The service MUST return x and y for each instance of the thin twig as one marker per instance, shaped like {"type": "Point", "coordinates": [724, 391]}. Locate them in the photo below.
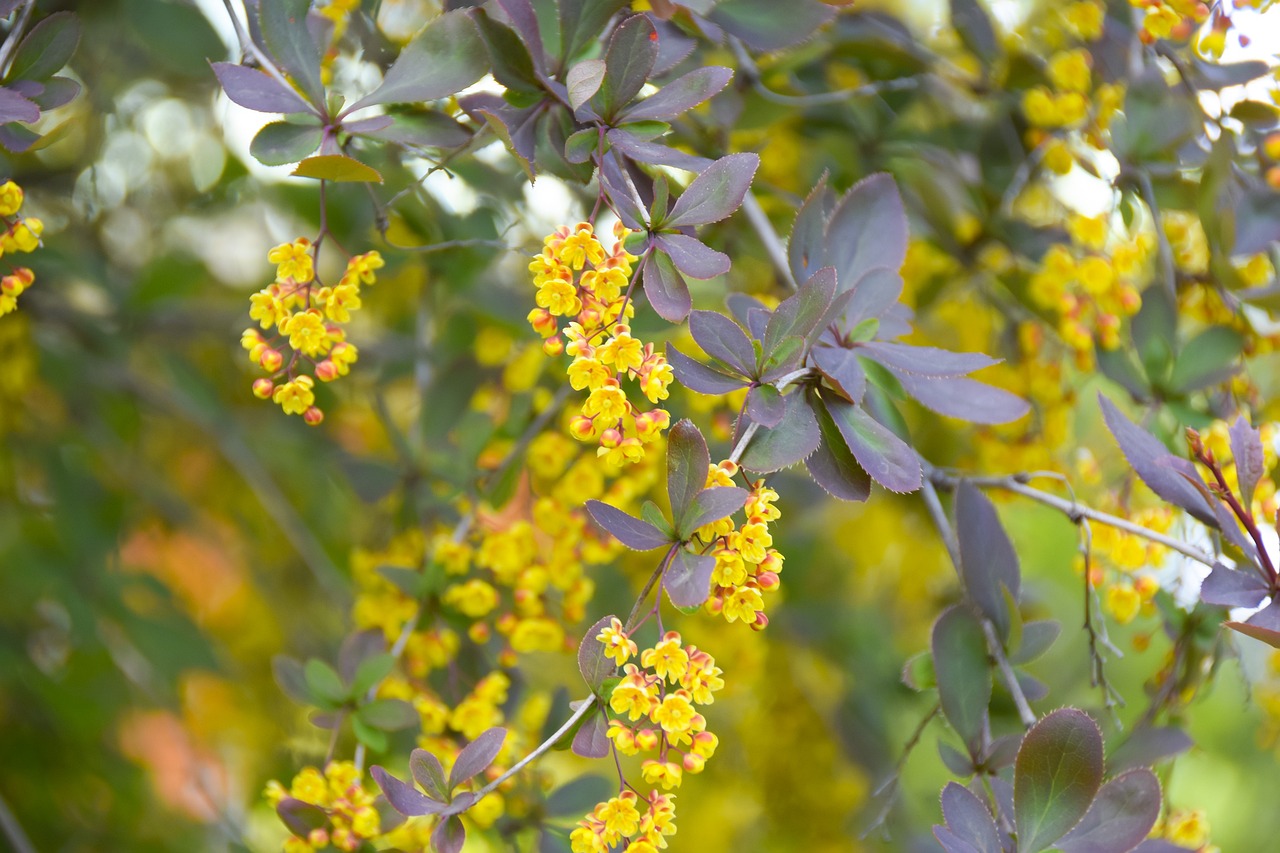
{"type": "Point", "coordinates": [581, 713]}
{"type": "Point", "coordinates": [751, 72]}
{"type": "Point", "coordinates": [1167, 265]}
{"type": "Point", "coordinates": [889, 787]}
{"type": "Point", "coordinates": [644, 593]}
{"type": "Point", "coordinates": [1074, 511]}
{"type": "Point", "coordinates": [769, 237]}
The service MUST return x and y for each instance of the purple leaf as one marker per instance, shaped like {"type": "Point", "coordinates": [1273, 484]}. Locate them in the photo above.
{"type": "Point", "coordinates": [964, 398]}
{"type": "Point", "coordinates": [692, 257]}
{"type": "Point", "coordinates": [968, 818]}
{"type": "Point", "coordinates": [518, 129]}
{"type": "Point", "coordinates": [524, 20]}
{"type": "Point", "coordinates": [366, 126]}
{"type": "Point", "coordinates": [581, 22]}
{"type": "Point", "coordinates": [629, 60]}
{"type": "Point", "coordinates": [1037, 637]}
{"type": "Point", "coordinates": [654, 152]}
{"type": "Point", "coordinates": [791, 441]}
{"type": "Point", "coordinates": [403, 797]}
{"type": "Point", "coordinates": [1246, 450]}
{"type": "Point", "coordinates": [714, 504]}
{"type": "Point", "coordinates": [680, 95]}
{"type": "Point", "coordinates": [301, 817]}
{"type": "Point", "coordinates": [285, 33]}
{"type": "Point", "coordinates": [963, 673]}
{"type": "Point", "coordinates": [874, 294]}
{"type": "Point", "coordinates": [888, 459]}
{"type": "Point", "coordinates": [723, 339]}
{"type": "Point", "coordinates": [750, 312]}
{"type": "Point", "coordinates": [257, 90]}
{"type": "Point", "coordinates": [630, 531]}
{"type": "Point", "coordinates": [988, 562]}
{"type": "Point", "coordinates": [449, 835]}
{"type": "Point", "coordinates": [1263, 625]}
{"type": "Point", "coordinates": [429, 773]}
{"type": "Point", "coordinates": [666, 289]}
{"type": "Point", "coordinates": [1233, 588]}
{"type": "Point", "coordinates": [925, 361]}
{"type": "Point", "coordinates": [592, 662]}
{"type": "Point", "coordinates": [1056, 776]}
{"type": "Point", "coordinates": [766, 406]}
{"type": "Point", "coordinates": [841, 368]}
{"type": "Point", "coordinates": [806, 249]}
{"type": "Point", "coordinates": [698, 377]}
{"type": "Point", "coordinates": [358, 647]}
{"type": "Point", "coordinates": [622, 192]}
{"type": "Point", "coordinates": [687, 464]}
{"type": "Point", "coordinates": [477, 755]}
{"type": "Point", "coordinates": [445, 58]}
{"type": "Point", "coordinates": [14, 107]}
{"type": "Point", "coordinates": [802, 312]}
{"type": "Point", "coordinates": [592, 738]}
{"type": "Point", "coordinates": [1125, 810]}
{"type": "Point", "coordinates": [583, 81]}
{"type": "Point", "coordinates": [867, 229]}
{"type": "Point", "coordinates": [767, 25]}
{"type": "Point", "coordinates": [1147, 456]}
{"type": "Point", "coordinates": [673, 46]}
{"type": "Point", "coordinates": [688, 578]}
{"type": "Point", "coordinates": [952, 843]}
{"type": "Point", "coordinates": [715, 193]}
{"type": "Point", "coordinates": [1148, 745]}
{"type": "Point", "coordinates": [832, 465]}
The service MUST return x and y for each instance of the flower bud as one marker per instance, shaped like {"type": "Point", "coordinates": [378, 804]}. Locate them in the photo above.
{"type": "Point", "coordinates": [313, 416]}
{"type": "Point", "coordinates": [553, 346]}
{"type": "Point", "coordinates": [326, 371]}
{"type": "Point", "coordinates": [761, 622]}
{"type": "Point", "coordinates": [610, 438]}
{"type": "Point", "coordinates": [262, 388]}
{"type": "Point", "coordinates": [647, 739]}
{"type": "Point", "coordinates": [582, 428]}
{"type": "Point", "coordinates": [767, 581]}
{"type": "Point", "coordinates": [271, 360]}
{"type": "Point", "coordinates": [693, 763]}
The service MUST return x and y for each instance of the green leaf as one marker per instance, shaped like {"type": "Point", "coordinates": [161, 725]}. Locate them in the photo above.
{"type": "Point", "coordinates": [581, 145]}
{"type": "Point", "coordinates": [445, 58]}
{"type": "Point", "coordinates": [509, 58]}
{"type": "Point", "coordinates": [628, 62]}
{"type": "Point", "coordinates": [832, 465]}
{"type": "Point", "coordinates": [918, 672]}
{"type": "Point", "coordinates": [1207, 359]}
{"type": "Point", "coordinates": [1055, 778]}
{"type": "Point", "coordinates": [371, 671]}
{"type": "Point", "coordinates": [1037, 637]}
{"type": "Point", "coordinates": [963, 674]}
{"type": "Point", "coordinates": [283, 142]}
{"type": "Point", "coordinates": [388, 715]}
{"type": "Point", "coordinates": [284, 29]}
{"type": "Point", "coordinates": [889, 460]}
{"type": "Point", "coordinates": [581, 22]}
{"type": "Point", "coordinates": [324, 683]}
{"type": "Point", "coordinates": [1155, 330]}
{"type": "Point", "coordinates": [336, 167]}
{"type": "Point", "coordinates": [375, 739]}
{"type": "Point", "coordinates": [46, 49]}
{"type": "Point", "coordinates": [972, 23]}
{"type": "Point", "coordinates": [768, 25]}
{"type": "Point", "coordinates": [649, 512]}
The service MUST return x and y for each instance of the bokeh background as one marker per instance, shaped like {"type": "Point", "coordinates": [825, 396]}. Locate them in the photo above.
{"type": "Point", "coordinates": [163, 534]}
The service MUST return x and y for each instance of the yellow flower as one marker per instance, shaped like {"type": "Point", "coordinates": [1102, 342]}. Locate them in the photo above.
{"type": "Point", "coordinates": [340, 301]}
{"type": "Point", "coordinates": [617, 645]}
{"type": "Point", "coordinates": [633, 695]}
{"type": "Point", "coordinates": [10, 198]}
{"type": "Point", "coordinates": [656, 380]}
{"type": "Point", "coordinates": [608, 402]}
{"type": "Point", "coordinates": [623, 351]}
{"type": "Point", "coordinates": [675, 713]}
{"type": "Point", "coordinates": [588, 373]}
{"type": "Point", "coordinates": [559, 297]}
{"type": "Point", "coordinates": [362, 267]}
{"type": "Point", "coordinates": [619, 815]}
{"type": "Point", "coordinates": [537, 635]}
{"type": "Point", "coordinates": [295, 396]}
{"type": "Point", "coordinates": [293, 261]}
{"type": "Point", "coordinates": [667, 774]}
{"type": "Point", "coordinates": [743, 603]}
{"type": "Point", "coordinates": [1123, 602]}
{"type": "Point", "coordinates": [1070, 72]}
{"type": "Point", "coordinates": [475, 598]}
{"type": "Point", "coordinates": [751, 541]}
{"type": "Point", "coordinates": [307, 333]}
{"type": "Point", "coordinates": [667, 659]}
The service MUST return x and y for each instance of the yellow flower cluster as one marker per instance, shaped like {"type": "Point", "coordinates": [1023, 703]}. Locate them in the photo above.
{"type": "Point", "coordinates": [618, 821]}
{"type": "Point", "coordinates": [1187, 829]}
{"type": "Point", "coordinates": [352, 818]}
{"type": "Point", "coordinates": [306, 315]}
{"type": "Point", "coordinates": [659, 700]}
{"type": "Point", "coordinates": [20, 234]}
{"type": "Point", "coordinates": [1092, 284]}
{"type": "Point", "coordinates": [578, 280]}
{"type": "Point", "coordinates": [747, 565]}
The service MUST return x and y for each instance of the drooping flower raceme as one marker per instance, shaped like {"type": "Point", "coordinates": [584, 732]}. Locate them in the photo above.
{"type": "Point", "coordinates": [18, 234]}
{"type": "Point", "coordinates": [309, 342]}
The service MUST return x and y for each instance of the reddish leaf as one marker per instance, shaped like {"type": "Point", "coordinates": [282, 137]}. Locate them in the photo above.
{"type": "Point", "coordinates": [692, 257]}
{"type": "Point", "coordinates": [628, 62]}
{"type": "Point", "coordinates": [833, 466]}
{"type": "Point", "coordinates": [1056, 776]}
{"type": "Point", "coordinates": [687, 464]}
{"type": "Point", "coordinates": [449, 835]}
{"type": "Point", "coordinates": [680, 95]}
{"type": "Point", "coordinates": [429, 773]}
{"type": "Point", "coordinates": [964, 398]}
{"type": "Point", "coordinates": [1124, 812]}
{"type": "Point", "coordinates": [592, 662]}
{"type": "Point", "coordinates": [988, 562]}
{"type": "Point", "coordinates": [723, 339]}
{"type": "Point", "coordinates": [715, 193]}
{"type": "Point", "coordinates": [257, 90]}
{"type": "Point", "coordinates": [666, 289]}
{"type": "Point", "coordinates": [927, 361]}
{"type": "Point", "coordinates": [1233, 588]}
{"type": "Point", "coordinates": [592, 739]}
{"type": "Point", "coordinates": [697, 376]}
{"type": "Point", "coordinates": [688, 578]}
{"type": "Point", "coordinates": [791, 441]}
{"type": "Point", "coordinates": [888, 459]}
{"type": "Point", "coordinates": [1246, 450]}
{"type": "Point", "coordinates": [403, 797]}
{"type": "Point", "coordinates": [766, 406]}
{"type": "Point", "coordinates": [867, 229]}
{"type": "Point", "coordinates": [968, 817]}
{"type": "Point", "coordinates": [842, 371]}
{"type": "Point", "coordinates": [712, 505]}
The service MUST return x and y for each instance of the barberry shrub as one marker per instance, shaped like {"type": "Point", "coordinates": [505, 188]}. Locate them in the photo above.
{"type": "Point", "coordinates": [961, 312]}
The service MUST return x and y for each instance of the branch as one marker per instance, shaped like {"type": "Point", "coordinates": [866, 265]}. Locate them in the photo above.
{"type": "Point", "coordinates": [9, 823]}
{"type": "Point", "coordinates": [581, 713]}
{"type": "Point", "coordinates": [1073, 510]}
{"type": "Point", "coordinates": [769, 237]}
{"type": "Point", "coordinates": [1167, 265]}
{"type": "Point", "coordinates": [751, 72]}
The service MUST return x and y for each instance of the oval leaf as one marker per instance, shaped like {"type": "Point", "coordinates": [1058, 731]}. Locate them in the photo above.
{"type": "Point", "coordinates": [1120, 818]}
{"type": "Point", "coordinates": [697, 376]}
{"type": "Point", "coordinates": [337, 167]}
{"type": "Point", "coordinates": [688, 578]}
{"type": "Point", "coordinates": [680, 95]}
{"type": "Point", "coordinates": [477, 755]}
{"type": "Point", "coordinates": [791, 441]}
{"type": "Point", "coordinates": [963, 673]}
{"type": "Point", "coordinates": [592, 739]}
{"type": "Point", "coordinates": [666, 288]}
{"type": "Point", "coordinates": [403, 797]}
{"type": "Point", "coordinates": [724, 340]}
{"type": "Point", "coordinates": [445, 58]}
{"type": "Point", "coordinates": [429, 773]}
{"type": "Point", "coordinates": [712, 505]}
{"type": "Point", "coordinates": [988, 561]}
{"type": "Point", "coordinates": [257, 90]}
{"type": "Point", "coordinates": [282, 142]}
{"type": "Point", "coordinates": [968, 817]}
{"type": "Point", "coordinates": [888, 459]}
{"type": "Point", "coordinates": [715, 193]}
{"type": "Point", "coordinates": [687, 465]}
{"type": "Point", "coordinates": [1055, 778]}
{"type": "Point", "coordinates": [592, 662]}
